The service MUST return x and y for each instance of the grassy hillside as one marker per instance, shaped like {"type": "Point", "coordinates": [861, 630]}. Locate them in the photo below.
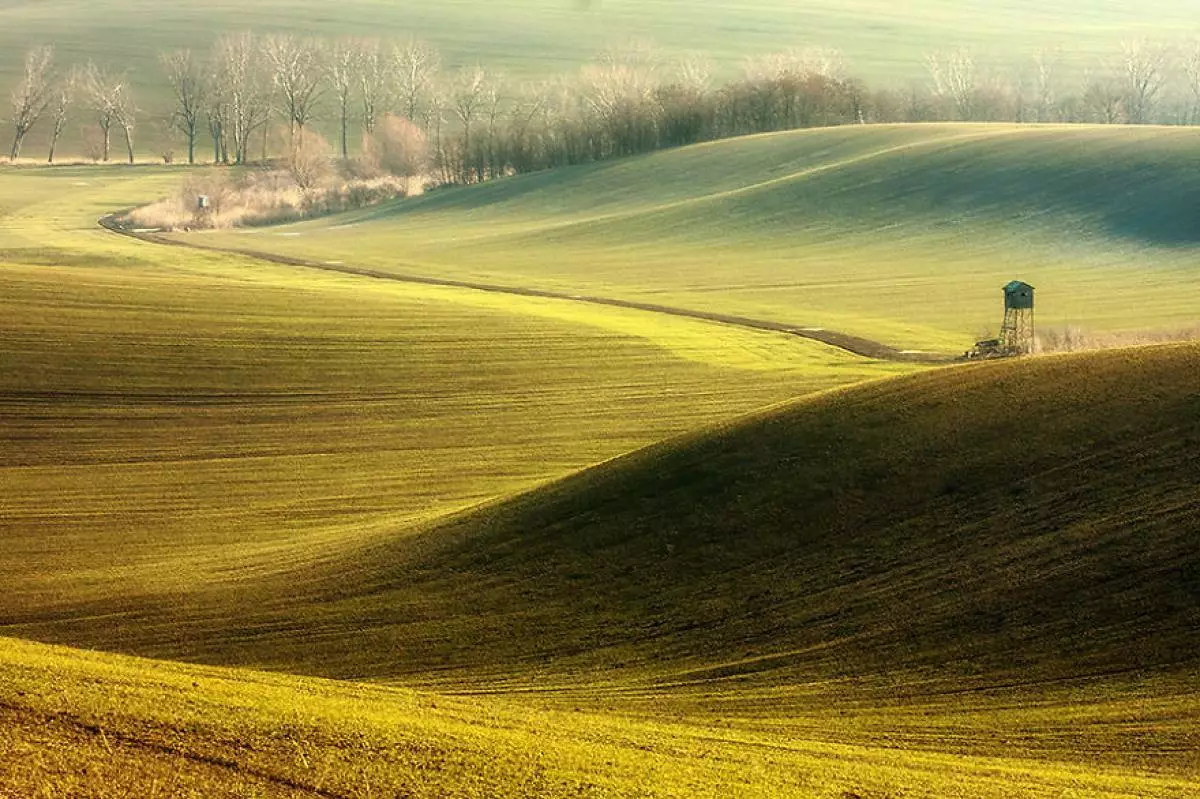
{"type": "Point", "coordinates": [979, 582]}
{"type": "Point", "coordinates": [107, 727]}
{"type": "Point", "coordinates": [899, 233]}
{"type": "Point", "coordinates": [172, 419]}
{"type": "Point", "coordinates": [995, 504]}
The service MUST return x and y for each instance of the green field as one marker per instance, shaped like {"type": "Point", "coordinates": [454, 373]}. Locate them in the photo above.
{"type": "Point", "coordinates": [544, 37]}
{"type": "Point", "coordinates": [272, 529]}
{"type": "Point", "coordinates": [898, 233]}
{"type": "Point", "coordinates": [667, 625]}
{"type": "Point", "coordinates": [174, 419]}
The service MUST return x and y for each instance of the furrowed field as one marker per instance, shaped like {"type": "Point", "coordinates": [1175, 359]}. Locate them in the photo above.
{"type": "Point", "coordinates": [173, 418]}
{"type": "Point", "coordinates": [331, 528]}
{"type": "Point", "coordinates": [215, 459]}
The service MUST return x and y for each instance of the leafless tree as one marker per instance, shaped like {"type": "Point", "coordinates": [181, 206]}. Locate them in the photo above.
{"type": "Point", "coordinates": [619, 92]}
{"type": "Point", "coordinates": [185, 74]}
{"type": "Point", "coordinates": [239, 97]}
{"type": "Point", "coordinates": [62, 95]}
{"type": "Point", "coordinates": [298, 75]}
{"type": "Point", "coordinates": [107, 96]}
{"type": "Point", "coordinates": [374, 68]}
{"type": "Point", "coordinates": [32, 95]}
{"type": "Point", "coordinates": [1144, 69]}
{"type": "Point", "coordinates": [528, 106]}
{"type": "Point", "coordinates": [416, 68]}
{"type": "Point", "coordinates": [1104, 99]}
{"type": "Point", "coordinates": [126, 117]}
{"type": "Point", "coordinates": [342, 65]}
{"type": "Point", "coordinates": [472, 94]}
{"type": "Point", "coordinates": [1190, 58]}
{"type": "Point", "coordinates": [954, 78]}
{"type": "Point", "coordinates": [1045, 75]}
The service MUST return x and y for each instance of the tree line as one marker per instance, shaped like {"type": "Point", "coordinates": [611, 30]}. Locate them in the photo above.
{"type": "Point", "coordinates": [474, 125]}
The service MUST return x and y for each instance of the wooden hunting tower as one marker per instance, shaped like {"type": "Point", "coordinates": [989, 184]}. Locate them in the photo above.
{"type": "Point", "coordinates": [1016, 336]}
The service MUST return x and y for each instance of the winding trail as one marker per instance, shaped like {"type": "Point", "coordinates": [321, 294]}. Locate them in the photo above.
{"type": "Point", "coordinates": [844, 341]}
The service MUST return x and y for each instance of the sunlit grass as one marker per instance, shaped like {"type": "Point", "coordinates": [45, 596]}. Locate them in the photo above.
{"type": "Point", "coordinates": [973, 583]}
{"type": "Point", "coordinates": [903, 234]}
{"type": "Point", "coordinates": [105, 726]}
{"type": "Point", "coordinates": [175, 419]}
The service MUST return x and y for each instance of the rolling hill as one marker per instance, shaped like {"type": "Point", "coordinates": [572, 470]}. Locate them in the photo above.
{"type": "Point", "coordinates": [174, 419]}
{"type": "Point", "coordinates": [903, 234]}
{"type": "Point", "coordinates": [979, 581]}
{"type": "Point", "coordinates": [987, 573]}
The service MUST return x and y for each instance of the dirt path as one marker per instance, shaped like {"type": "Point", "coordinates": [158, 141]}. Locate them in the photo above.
{"type": "Point", "coordinates": [844, 341]}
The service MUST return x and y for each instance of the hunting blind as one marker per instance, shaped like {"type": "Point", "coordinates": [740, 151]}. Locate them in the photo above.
{"type": "Point", "coordinates": [1016, 336]}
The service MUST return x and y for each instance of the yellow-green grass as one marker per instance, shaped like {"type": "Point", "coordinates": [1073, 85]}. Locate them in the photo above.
{"type": "Point", "coordinates": [980, 582]}
{"type": "Point", "coordinates": [903, 234]}
{"type": "Point", "coordinates": [174, 419]}
{"type": "Point", "coordinates": [974, 528]}
{"type": "Point", "coordinates": [91, 725]}
{"type": "Point", "coordinates": [885, 43]}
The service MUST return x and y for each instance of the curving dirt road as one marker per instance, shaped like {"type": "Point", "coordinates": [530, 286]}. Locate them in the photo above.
{"type": "Point", "coordinates": [844, 341]}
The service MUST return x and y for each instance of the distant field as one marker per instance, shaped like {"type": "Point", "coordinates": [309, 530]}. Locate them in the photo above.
{"type": "Point", "coordinates": [898, 233]}
{"type": "Point", "coordinates": [537, 37]}
{"type": "Point", "coordinates": [885, 43]}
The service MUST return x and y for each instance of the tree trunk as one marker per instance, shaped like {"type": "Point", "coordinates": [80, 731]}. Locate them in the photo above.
{"type": "Point", "coordinates": [107, 142]}
{"type": "Point", "coordinates": [58, 126]}
{"type": "Point", "coordinates": [345, 124]}
{"type": "Point", "coordinates": [128, 142]}
{"type": "Point", "coordinates": [192, 146]}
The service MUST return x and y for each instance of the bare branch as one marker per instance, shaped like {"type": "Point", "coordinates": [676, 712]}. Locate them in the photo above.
{"type": "Point", "coordinates": [31, 95]}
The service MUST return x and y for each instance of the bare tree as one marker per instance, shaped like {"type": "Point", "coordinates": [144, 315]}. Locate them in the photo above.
{"type": "Point", "coordinates": [32, 95]}
{"type": "Point", "coordinates": [416, 67]}
{"type": "Point", "coordinates": [526, 138]}
{"type": "Point", "coordinates": [298, 76]}
{"type": "Point", "coordinates": [470, 97]}
{"type": "Point", "coordinates": [620, 93]}
{"type": "Point", "coordinates": [216, 117]}
{"type": "Point", "coordinates": [126, 117]}
{"type": "Point", "coordinates": [1045, 74]}
{"type": "Point", "coordinates": [1144, 69]}
{"type": "Point", "coordinates": [106, 95]}
{"type": "Point", "coordinates": [1190, 56]}
{"type": "Point", "coordinates": [342, 66]}
{"type": "Point", "coordinates": [239, 98]}
{"type": "Point", "coordinates": [374, 68]}
{"type": "Point", "coordinates": [954, 78]}
{"type": "Point", "coordinates": [62, 95]}
{"type": "Point", "coordinates": [186, 76]}
{"type": "Point", "coordinates": [1104, 100]}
